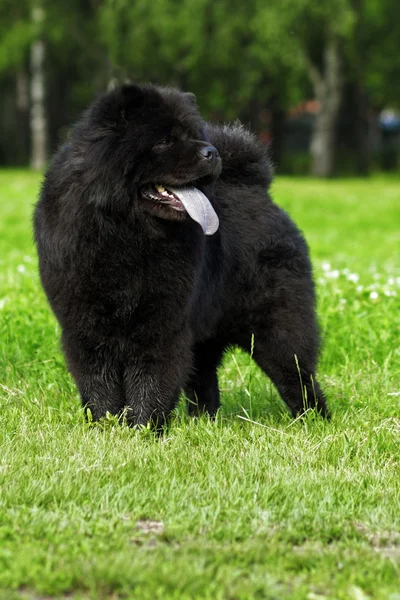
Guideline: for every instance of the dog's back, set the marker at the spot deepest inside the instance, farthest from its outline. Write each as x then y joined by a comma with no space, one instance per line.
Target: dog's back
245,160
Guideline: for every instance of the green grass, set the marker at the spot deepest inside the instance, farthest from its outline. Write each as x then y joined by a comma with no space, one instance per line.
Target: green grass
227,510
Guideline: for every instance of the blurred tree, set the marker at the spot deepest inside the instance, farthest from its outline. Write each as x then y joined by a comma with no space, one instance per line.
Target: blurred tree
16,36
61,83
16,33
237,56
211,48
21,35
312,34
38,91
77,63
192,44
376,50
248,59
372,71
340,42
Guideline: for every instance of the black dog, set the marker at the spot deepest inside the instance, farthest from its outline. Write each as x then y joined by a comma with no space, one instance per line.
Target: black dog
159,248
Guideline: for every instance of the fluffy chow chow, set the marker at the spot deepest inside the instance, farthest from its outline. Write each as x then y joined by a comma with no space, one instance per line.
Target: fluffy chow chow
159,247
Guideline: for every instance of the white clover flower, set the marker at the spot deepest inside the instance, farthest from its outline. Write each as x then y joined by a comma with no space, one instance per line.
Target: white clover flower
353,277
332,274
376,276
390,281
21,269
326,266
374,295
359,288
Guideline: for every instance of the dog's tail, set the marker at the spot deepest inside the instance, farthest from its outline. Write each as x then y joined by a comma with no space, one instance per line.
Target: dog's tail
244,159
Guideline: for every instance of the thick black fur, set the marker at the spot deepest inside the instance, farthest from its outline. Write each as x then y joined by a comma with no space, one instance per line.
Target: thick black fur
147,303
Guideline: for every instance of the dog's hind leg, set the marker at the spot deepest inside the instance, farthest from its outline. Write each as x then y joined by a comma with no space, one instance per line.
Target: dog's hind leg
202,389
290,362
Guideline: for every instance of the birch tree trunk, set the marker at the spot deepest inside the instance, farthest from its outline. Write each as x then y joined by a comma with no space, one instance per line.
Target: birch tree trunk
328,85
38,109
22,90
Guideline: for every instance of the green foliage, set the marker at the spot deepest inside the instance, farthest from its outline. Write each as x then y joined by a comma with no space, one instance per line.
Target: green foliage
293,29
254,507
16,33
239,58
227,52
232,53
379,46
199,45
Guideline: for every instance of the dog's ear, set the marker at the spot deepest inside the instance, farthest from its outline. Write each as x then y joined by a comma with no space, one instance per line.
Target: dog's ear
131,100
132,94
116,107
191,98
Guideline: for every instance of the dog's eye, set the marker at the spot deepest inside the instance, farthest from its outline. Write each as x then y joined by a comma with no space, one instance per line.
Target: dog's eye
163,144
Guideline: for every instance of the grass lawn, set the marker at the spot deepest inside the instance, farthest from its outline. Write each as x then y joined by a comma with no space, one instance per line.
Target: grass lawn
237,509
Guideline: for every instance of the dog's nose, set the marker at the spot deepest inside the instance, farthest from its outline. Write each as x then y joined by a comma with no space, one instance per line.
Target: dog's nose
209,152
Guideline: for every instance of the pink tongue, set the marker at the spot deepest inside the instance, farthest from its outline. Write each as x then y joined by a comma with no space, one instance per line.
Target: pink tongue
198,207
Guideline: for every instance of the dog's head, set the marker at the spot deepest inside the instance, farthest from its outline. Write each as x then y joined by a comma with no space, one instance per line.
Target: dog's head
150,142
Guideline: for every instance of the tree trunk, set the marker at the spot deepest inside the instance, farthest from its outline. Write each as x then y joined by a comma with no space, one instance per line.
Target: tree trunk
328,91
362,136
22,114
360,110
38,109
277,125
250,116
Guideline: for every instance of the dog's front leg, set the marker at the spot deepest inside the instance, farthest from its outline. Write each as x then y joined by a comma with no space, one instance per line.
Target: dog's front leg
152,389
